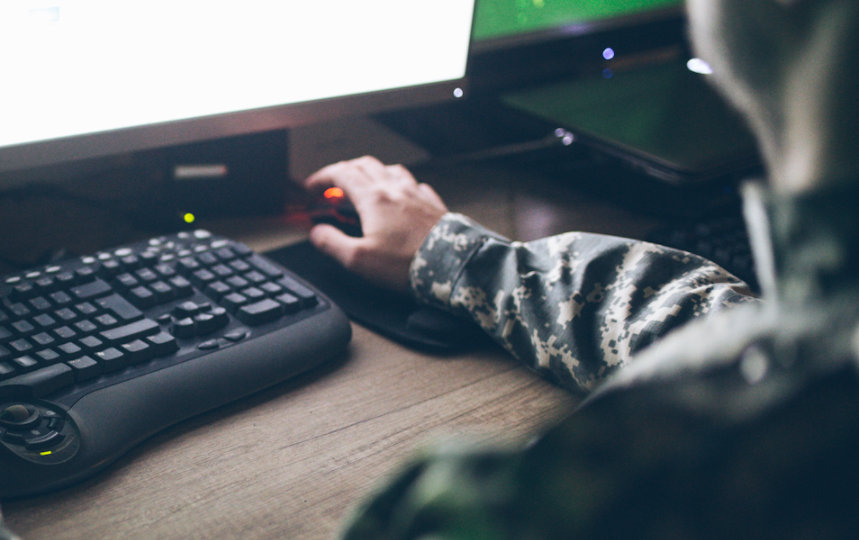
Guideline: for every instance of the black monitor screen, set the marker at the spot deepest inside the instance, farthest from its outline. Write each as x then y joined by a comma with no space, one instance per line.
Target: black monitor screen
499,20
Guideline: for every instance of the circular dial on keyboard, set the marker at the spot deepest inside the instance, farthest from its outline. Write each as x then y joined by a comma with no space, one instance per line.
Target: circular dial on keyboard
38,432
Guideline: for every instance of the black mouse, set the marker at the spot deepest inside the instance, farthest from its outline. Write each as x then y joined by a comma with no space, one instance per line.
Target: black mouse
335,209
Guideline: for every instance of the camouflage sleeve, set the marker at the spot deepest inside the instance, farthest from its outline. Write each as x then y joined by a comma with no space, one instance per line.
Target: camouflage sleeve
575,306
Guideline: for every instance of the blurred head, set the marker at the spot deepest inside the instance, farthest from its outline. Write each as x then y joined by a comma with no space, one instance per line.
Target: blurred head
791,67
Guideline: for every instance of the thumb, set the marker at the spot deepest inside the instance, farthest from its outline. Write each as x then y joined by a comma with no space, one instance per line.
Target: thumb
333,242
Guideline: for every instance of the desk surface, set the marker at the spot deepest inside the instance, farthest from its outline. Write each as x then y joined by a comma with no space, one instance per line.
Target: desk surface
290,461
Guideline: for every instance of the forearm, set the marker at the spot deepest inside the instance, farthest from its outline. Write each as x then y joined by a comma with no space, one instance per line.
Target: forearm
574,306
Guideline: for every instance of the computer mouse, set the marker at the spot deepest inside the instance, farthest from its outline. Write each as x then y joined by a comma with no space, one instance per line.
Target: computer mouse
335,209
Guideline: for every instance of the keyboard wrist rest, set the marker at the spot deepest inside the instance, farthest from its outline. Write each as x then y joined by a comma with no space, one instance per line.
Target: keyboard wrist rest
113,419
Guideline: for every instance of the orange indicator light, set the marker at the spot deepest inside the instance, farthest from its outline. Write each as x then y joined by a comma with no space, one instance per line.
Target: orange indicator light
333,193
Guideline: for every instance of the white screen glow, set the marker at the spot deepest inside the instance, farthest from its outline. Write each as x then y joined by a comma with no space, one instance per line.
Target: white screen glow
82,66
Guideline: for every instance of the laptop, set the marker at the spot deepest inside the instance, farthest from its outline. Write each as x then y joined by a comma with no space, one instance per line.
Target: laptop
661,118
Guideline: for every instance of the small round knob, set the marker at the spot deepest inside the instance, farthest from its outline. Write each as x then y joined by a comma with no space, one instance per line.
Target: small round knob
18,415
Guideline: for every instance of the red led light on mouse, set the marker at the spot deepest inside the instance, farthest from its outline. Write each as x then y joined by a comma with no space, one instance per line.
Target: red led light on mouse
333,193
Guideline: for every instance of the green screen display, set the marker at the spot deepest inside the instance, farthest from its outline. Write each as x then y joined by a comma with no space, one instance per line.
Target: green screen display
504,18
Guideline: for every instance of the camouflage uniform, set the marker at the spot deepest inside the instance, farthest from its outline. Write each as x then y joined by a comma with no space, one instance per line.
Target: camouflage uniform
744,422
575,307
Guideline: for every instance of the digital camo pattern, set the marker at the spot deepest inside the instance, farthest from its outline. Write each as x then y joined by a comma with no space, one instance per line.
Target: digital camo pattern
574,306
744,424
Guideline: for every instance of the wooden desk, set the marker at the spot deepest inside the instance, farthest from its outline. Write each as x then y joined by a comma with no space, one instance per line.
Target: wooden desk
290,461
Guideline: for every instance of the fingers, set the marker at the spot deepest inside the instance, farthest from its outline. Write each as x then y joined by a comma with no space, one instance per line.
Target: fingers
334,243
396,215
359,174
344,173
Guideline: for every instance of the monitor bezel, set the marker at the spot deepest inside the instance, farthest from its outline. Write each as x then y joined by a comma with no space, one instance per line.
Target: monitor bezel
85,147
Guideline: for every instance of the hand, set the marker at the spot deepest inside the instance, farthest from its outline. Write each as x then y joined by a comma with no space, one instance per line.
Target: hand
396,215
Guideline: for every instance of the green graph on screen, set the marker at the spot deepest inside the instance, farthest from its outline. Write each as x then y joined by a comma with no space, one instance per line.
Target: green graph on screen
503,18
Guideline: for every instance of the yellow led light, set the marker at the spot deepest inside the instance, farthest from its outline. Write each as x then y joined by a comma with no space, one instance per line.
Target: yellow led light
46,453
189,217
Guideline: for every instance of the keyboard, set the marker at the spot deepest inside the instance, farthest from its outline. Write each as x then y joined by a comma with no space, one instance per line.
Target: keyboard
98,353
722,239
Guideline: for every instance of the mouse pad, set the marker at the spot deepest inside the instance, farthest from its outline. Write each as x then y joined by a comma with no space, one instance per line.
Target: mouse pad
391,314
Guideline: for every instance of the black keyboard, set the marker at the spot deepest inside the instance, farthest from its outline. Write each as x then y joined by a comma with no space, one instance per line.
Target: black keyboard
100,352
722,239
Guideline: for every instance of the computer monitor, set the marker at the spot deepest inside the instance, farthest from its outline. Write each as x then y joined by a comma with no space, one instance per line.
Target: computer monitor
518,42
86,80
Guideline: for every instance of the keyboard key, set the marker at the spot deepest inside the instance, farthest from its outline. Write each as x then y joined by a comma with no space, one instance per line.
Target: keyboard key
291,304
256,277
225,254
209,345
93,289
20,345
307,297
163,292
42,339
203,276
23,290
46,284
234,301
66,315
238,282
127,280
163,344
25,362
142,297
186,309
135,330
23,327
86,309
6,370
85,368
138,351
240,266
218,289
123,309
259,312
18,310
206,323
146,275
184,328
86,326
111,359
265,266
182,286
65,333
253,294
40,303
60,298
44,321
69,349
271,288
48,356
110,267
41,382
91,343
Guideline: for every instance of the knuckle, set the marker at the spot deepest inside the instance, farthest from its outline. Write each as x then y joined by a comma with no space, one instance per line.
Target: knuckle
366,160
